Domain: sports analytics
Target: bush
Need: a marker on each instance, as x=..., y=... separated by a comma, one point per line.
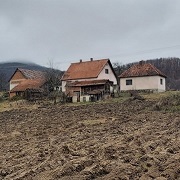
x=1, y=99
x=5, y=95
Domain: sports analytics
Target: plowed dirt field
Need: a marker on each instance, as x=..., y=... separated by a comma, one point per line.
x=101, y=141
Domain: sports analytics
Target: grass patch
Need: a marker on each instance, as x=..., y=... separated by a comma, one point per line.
x=158, y=96
x=9, y=105
x=169, y=102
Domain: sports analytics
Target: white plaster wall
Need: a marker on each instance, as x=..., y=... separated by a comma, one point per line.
x=162, y=87
x=63, y=86
x=143, y=83
x=109, y=76
x=74, y=99
x=12, y=85
x=87, y=98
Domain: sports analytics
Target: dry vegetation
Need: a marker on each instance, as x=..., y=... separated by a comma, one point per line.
x=131, y=139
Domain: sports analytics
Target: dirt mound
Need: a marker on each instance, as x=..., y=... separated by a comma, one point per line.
x=95, y=141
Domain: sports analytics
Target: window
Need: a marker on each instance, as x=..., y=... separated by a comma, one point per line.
x=161, y=81
x=129, y=82
x=106, y=71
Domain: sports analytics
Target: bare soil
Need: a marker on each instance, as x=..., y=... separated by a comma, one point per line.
x=94, y=141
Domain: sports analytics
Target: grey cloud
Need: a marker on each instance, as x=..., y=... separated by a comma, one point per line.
x=67, y=30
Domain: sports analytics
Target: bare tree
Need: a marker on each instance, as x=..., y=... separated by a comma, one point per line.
x=117, y=67
x=52, y=77
x=53, y=81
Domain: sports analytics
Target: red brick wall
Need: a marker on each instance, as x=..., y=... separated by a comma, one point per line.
x=18, y=75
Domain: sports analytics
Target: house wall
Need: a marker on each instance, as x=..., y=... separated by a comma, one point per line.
x=102, y=75
x=17, y=78
x=63, y=86
x=109, y=76
x=74, y=98
x=84, y=96
x=11, y=94
x=162, y=87
x=143, y=83
x=71, y=91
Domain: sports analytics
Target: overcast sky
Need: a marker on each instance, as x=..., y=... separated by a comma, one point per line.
x=68, y=30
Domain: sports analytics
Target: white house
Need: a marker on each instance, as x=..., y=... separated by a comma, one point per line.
x=143, y=76
x=89, y=80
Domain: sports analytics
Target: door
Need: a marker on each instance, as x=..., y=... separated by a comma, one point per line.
x=78, y=96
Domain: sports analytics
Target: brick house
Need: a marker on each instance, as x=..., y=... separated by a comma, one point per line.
x=24, y=79
x=143, y=76
x=89, y=80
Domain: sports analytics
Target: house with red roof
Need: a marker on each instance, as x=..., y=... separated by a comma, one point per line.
x=89, y=80
x=143, y=76
x=24, y=79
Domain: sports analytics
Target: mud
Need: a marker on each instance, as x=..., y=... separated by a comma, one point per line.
x=94, y=141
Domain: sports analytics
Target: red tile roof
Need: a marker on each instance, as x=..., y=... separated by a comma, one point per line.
x=142, y=69
x=28, y=84
x=32, y=74
x=85, y=70
x=88, y=83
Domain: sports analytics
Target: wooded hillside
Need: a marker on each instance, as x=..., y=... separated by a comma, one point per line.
x=169, y=66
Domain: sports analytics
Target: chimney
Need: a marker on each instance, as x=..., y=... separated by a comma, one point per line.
x=91, y=59
x=141, y=62
x=80, y=60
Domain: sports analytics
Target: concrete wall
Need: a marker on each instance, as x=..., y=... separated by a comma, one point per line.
x=143, y=83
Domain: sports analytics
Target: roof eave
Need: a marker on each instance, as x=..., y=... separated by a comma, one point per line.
x=79, y=78
x=143, y=76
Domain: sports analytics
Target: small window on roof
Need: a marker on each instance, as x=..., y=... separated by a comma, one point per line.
x=129, y=82
x=106, y=71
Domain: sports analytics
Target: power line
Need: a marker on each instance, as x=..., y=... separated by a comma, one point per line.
x=146, y=51
x=131, y=53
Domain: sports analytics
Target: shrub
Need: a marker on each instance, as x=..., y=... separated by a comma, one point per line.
x=1, y=99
